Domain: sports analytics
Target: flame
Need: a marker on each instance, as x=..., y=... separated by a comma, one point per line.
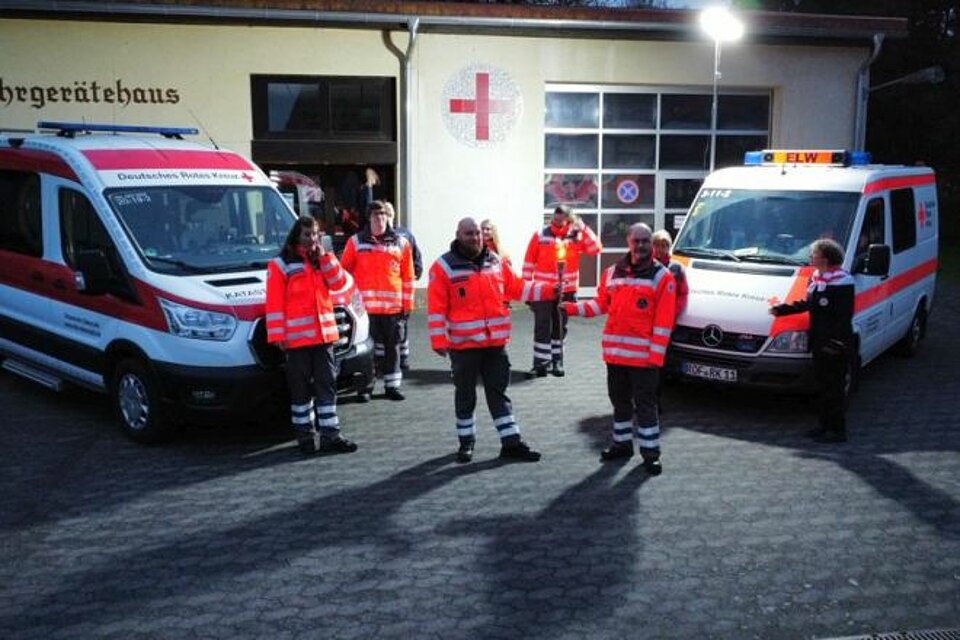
x=561, y=253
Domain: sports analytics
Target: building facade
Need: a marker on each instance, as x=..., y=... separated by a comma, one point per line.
x=500, y=113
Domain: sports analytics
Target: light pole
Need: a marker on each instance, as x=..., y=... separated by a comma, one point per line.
x=721, y=26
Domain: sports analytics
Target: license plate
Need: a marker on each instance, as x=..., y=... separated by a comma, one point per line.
x=698, y=370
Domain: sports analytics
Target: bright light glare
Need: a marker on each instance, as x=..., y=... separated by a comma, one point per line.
x=720, y=24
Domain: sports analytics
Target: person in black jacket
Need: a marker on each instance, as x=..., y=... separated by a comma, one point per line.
x=829, y=300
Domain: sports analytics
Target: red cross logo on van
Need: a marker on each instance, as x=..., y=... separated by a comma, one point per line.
x=922, y=215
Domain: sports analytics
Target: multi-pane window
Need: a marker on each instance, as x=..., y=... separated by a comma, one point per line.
x=621, y=155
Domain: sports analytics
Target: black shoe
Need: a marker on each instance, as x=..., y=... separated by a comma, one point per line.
x=394, y=394
x=617, y=451
x=557, y=370
x=336, y=445
x=830, y=437
x=519, y=451
x=537, y=372
x=465, y=452
x=652, y=467
x=363, y=396
x=308, y=442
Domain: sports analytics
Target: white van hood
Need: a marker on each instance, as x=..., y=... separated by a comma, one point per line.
x=241, y=288
x=738, y=297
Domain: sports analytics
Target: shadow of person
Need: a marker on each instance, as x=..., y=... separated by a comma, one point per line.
x=570, y=563
x=193, y=560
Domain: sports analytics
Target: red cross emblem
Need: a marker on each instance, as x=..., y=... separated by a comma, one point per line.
x=490, y=96
x=922, y=215
x=481, y=106
x=246, y=176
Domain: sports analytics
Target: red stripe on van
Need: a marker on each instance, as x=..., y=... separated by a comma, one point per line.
x=796, y=321
x=898, y=183
x=37, y=161
x=117, y=159
x=884, y=290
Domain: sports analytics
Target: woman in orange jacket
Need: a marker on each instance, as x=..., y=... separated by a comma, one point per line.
x=300, y=320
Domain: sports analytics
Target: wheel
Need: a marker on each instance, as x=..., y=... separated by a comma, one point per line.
x=909, y=345
x=136, y=399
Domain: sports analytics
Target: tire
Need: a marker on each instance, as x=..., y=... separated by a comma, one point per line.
x=136, y=400
x=909, y=345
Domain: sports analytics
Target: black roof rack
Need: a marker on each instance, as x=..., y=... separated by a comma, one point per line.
x=70, y=129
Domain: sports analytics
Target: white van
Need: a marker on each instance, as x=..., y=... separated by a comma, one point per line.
x=135, y=265
x=745, y=244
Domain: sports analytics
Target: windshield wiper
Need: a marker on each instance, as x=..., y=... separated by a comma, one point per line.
x=186, y=266
x=241, y=266
x=700, y=252
x=756, y=257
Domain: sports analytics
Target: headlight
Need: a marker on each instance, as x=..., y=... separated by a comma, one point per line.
x=789, y=342
x=356, y=303
x=188, y=322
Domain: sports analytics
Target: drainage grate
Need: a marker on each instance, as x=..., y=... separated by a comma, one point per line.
x=935, y=634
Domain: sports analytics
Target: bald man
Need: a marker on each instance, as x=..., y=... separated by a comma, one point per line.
x=469, y=322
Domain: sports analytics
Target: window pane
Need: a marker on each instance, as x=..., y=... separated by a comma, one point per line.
x=681, y=192
x=628, y=191
x=293, y=106
x=576, y=190
x=685, y=112
x=573, y=109
x=613, y=233
x=630, y=111
x=20, y=217
x=572, y=151
x=904, y=212
x=629, y=152
x=730, y=149
x=609, y=259
x=588, y=271
x=685, y=152
x=355, y=106
x=743, y=112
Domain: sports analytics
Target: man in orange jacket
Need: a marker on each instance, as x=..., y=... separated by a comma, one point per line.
x=300, y=321
x=553, y=256
x=639, y=294
x=468, y=321
x=381, y=261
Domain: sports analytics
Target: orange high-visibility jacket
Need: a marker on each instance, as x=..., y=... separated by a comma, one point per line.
x=465, y=300
x=540, y=261
x=383, y=270
x=299, y=307
x=640, y=303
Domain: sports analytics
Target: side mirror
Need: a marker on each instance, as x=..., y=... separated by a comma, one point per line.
x=878, y=260
x=93, y=272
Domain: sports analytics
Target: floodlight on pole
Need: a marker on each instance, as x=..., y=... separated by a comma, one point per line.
x=722, y=26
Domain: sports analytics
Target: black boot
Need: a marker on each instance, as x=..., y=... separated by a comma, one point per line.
x=557, y=369
x=337, y=444
x=394, y=394
x=652, y=466
x=617, y=451
x=465, y=452
x=308, y=442
x=537, y=371
x=518, y=450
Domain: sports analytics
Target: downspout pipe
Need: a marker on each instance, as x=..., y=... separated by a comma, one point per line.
x=406, y=116
x=863, y=94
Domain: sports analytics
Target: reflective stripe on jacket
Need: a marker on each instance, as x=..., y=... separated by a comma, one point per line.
x=383, y=270
x=640, y=306
x=540, y=261
x=465, y=300
x=299, y=306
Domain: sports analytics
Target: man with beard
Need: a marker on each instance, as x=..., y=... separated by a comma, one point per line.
x=639, y=294
x=468, y=320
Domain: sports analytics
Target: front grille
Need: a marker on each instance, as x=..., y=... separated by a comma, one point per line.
x=733, y=342
x=270, y=357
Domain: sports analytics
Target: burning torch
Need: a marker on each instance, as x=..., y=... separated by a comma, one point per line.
x=561, y=265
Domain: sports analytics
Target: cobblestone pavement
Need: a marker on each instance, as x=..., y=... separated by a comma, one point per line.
x=751, y=532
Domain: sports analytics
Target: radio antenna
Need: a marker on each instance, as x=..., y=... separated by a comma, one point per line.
x=204, y=129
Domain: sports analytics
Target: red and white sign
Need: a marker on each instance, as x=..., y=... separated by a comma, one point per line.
x=481, y=104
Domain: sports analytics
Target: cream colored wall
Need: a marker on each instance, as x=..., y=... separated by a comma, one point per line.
x=813, y=107
x=210, y=66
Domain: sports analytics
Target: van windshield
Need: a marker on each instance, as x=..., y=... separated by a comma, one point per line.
x=203, y=229
x=765, y=226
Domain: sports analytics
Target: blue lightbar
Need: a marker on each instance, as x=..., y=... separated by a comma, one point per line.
x=69, y=129
x=832, y=158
